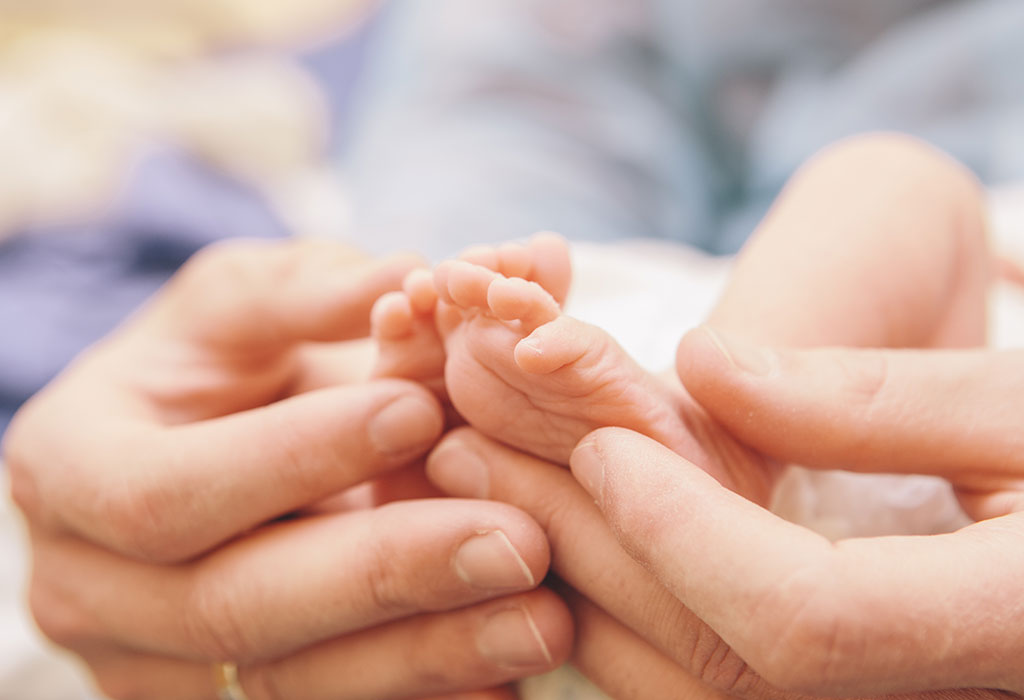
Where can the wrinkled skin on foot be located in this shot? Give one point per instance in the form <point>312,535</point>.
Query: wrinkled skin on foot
<point>521,372</point>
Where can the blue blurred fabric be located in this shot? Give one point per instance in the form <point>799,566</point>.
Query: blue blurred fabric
<point>483,120</point>
<point>62,289</point>
<point>486,120</point>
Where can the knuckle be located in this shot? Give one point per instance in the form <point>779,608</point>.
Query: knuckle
<point>714,662</point>
<point>386,585</point>
<point>215,626</point>
<point>555,513</point>
<point>429,667</point>
<point>401,576</point>
<point>142,521</point>
<point>865,379</point>
<point>864,388</point>
<point>427,671</point>
<point>58,618</point>
<point>302,454</point>
<point>807,639</point>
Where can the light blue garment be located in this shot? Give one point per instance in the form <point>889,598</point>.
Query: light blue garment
<point>484,120</point>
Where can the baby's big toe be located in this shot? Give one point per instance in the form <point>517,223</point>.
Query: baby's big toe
<point>516,299</point>
<point>465,283</point>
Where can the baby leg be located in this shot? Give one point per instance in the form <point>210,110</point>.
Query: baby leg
<point>878,241</point>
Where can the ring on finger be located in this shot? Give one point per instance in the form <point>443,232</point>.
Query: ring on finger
<point>225,677</point>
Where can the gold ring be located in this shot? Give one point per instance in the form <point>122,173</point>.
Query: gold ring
<point>225,676</point>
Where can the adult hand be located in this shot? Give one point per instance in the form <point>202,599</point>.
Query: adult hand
<point>634,639</point>
<point>860,616</point>
<point>681,588</point>
<point>155,473</point>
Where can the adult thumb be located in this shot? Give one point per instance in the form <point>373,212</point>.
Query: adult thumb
<point>951,413</point>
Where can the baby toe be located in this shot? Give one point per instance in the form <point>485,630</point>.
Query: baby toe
<point>468,283</point>
<point>391,317</point>
<point>419,287</point>
<point>441,274</point>
<point>516,299</point>
<point>514,260</point>
<point>482,255</point>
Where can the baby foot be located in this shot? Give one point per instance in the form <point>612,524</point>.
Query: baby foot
<point>405,324</point>
<point>523,373</point>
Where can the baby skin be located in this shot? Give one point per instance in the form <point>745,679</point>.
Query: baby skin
<point>522,372</point>
<point>850,255</point>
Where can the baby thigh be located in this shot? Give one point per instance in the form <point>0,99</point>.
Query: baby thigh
<point>878,240</point>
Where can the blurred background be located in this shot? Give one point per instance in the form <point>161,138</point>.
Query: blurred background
<point>133,133</point>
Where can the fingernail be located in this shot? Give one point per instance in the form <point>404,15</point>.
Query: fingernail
<point>488,560</point>
<point>742,355</point>
<point>510,638</point>
<point>587,466</point>
<point>406,424</point>
<point>458,471</point>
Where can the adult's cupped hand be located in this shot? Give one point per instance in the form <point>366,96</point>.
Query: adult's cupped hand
<point>684,586</point>
<point>157,472</point>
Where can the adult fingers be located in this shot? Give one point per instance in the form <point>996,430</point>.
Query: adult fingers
<point>626,667</point>
<point>291,583</point>
<point>475,647</point>
<point>586,554</point>
<point>332,364</point>
<point>491,643</point>
<point>503,693</point>
<point>168,494</point>
<point>246,296</point>
<point>869,616</point>
<point>955,414</point>
<point>623,665</point>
